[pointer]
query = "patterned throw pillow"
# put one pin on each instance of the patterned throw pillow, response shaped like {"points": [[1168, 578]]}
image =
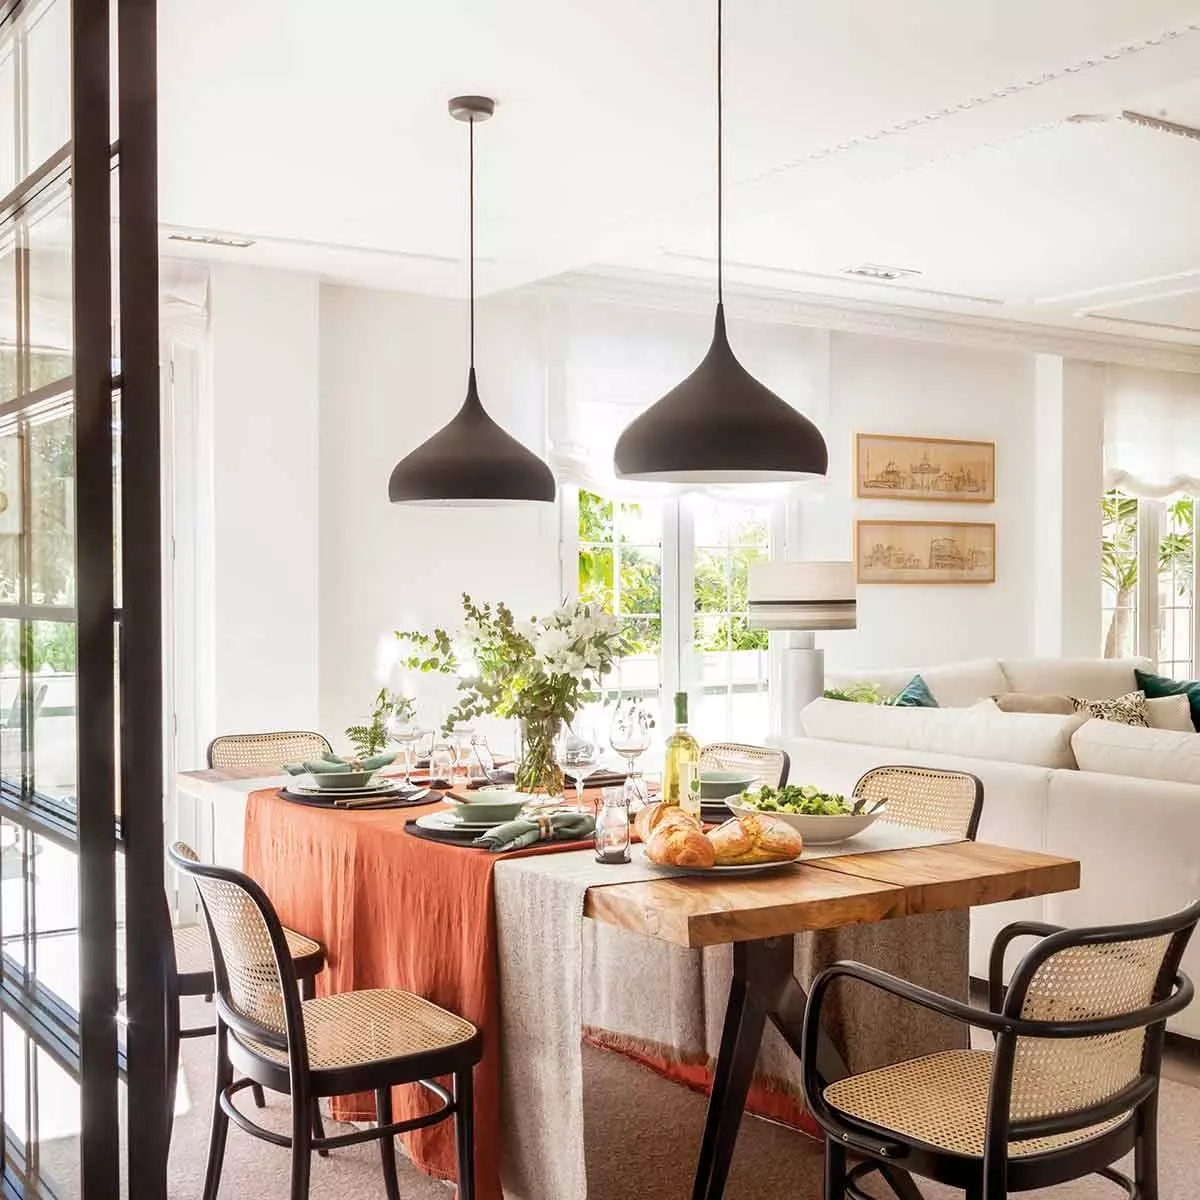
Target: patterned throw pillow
{"points": [[1129, 709]]}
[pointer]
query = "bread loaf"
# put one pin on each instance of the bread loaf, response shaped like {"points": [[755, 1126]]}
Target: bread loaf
{"points": [[754, 838], [679, 844], [653, 816]]}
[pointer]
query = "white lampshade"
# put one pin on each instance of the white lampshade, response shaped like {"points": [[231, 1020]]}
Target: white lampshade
{"points": [[802, 595]]}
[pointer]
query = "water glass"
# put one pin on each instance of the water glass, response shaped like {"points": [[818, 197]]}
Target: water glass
{"points": [[441, 766], [612, 826]]}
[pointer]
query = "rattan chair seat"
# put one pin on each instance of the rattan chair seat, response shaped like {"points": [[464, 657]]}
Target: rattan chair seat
{"points": [[351, 1029], [193, 951], [941, 1100]]}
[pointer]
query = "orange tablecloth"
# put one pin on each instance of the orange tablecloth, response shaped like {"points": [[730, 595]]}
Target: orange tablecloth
{"points": [[393, 910]]}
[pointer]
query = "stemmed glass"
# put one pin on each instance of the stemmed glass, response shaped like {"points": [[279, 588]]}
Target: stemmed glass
{"points": [[406, 734], [629, 734], [577, 752]]}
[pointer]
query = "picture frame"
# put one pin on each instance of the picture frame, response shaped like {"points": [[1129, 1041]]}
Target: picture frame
{"points": [[900, 467], [925, 552]]}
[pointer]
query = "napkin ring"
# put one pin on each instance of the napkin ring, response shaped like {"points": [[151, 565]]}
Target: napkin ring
{"points": [[545, 827]]}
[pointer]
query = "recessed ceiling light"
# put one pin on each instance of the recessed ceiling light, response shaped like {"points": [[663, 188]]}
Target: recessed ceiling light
{"points": [[211, 239], [876, 271]]}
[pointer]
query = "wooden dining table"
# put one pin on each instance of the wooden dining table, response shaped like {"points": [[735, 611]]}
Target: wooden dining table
{"points": [[377, 931], [762, 915]]}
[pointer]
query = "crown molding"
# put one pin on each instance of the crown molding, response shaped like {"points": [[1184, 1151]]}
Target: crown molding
{"points": [[641, 289]]}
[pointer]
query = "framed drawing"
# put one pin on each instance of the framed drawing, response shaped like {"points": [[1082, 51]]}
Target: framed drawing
{"points": [[925, 551], [906, 468]]}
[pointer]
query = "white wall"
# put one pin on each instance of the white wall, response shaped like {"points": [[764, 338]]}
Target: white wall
{"points": [[393, 370], [882, 385], [317, 391], [258, 446]]}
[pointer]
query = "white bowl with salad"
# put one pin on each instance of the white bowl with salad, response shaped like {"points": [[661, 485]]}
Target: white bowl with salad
{"points": [[821, 818]]}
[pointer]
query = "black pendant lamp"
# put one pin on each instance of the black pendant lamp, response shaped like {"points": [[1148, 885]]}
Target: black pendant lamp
{"points": [[720, 425], [471, 460]]}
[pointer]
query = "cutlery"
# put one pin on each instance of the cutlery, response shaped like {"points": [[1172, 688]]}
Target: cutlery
{"points": [[373, 801]]}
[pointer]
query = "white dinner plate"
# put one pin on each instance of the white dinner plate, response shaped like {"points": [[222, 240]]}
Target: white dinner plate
{"points": [[746, 869], [445, 821], [372, 789]]}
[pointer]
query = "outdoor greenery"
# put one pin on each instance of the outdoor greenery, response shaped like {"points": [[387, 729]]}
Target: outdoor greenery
{"points": [[720, 576], [1119, 559]]}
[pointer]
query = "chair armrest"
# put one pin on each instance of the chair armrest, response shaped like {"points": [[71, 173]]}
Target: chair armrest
{"points": [[1000, 946], [811, 1080]]}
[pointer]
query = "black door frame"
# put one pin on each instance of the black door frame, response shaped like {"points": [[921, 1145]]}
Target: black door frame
{"points": [[136, 822]]}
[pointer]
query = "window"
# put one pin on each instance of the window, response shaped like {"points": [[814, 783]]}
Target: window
{"points": [[676, 572], [1148, 567]]}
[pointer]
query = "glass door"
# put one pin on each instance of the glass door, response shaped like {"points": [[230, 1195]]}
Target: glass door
{"points": [[81, 991]]}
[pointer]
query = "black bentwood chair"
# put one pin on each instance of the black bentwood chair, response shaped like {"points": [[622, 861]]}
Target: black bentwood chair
{"points": [[1071, 1086], [369, 1040]]}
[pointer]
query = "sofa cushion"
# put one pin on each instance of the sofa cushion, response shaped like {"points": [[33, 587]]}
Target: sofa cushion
{"points": [[1129, 709], [1092, 678], [981, 731], [1111, 749], [1156, 686], [915, 695], [1171, 712], [1029, 702]]}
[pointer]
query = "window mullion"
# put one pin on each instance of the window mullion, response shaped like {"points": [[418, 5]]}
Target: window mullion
{"points": [[1149, 535], [677, 553]]}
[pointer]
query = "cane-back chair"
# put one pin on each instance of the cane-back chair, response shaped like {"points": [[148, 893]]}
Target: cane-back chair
{"points": [[1070, 1087], [266, 749], [925, 798], [767, 764], [362, 1041]]}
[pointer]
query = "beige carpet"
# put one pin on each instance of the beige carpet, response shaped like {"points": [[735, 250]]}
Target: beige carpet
{"points": [[643, 1134]]}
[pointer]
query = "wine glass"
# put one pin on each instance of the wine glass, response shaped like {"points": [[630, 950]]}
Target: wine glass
{"points": [[629, 734], [405, 735], [577, 752]]}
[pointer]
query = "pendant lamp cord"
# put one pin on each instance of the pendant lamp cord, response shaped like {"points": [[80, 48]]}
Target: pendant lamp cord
{"points": [[471, 233], [720, 167]]}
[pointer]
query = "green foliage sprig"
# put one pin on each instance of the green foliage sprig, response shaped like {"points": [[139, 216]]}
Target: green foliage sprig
{"points": [[390, 710], [535, 670]]}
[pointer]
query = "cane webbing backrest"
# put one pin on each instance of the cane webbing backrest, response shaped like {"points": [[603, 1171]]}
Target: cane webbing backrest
{"points": [[765, 763], [269, 750], [923, 798], [253, 985], [1057, 1076]]}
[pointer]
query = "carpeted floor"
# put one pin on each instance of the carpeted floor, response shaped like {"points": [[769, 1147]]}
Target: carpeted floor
{"points": [[643, 1134]]}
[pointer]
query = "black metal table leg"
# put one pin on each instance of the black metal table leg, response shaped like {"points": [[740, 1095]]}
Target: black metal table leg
{"points": [[764, 987]]}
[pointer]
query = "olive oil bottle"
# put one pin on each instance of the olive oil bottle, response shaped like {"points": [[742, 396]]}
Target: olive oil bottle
{"points": [[681, 770]]}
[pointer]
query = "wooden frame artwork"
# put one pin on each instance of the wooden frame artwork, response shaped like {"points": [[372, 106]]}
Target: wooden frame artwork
{"points": [[925, 551], [892, 467]]}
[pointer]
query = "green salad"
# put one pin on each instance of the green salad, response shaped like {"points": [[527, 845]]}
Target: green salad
{"points": [[807, 801]]}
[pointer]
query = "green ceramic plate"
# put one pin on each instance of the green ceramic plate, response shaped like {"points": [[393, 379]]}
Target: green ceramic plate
{"points": [[718, 785], [489, 805], [339, 781]]}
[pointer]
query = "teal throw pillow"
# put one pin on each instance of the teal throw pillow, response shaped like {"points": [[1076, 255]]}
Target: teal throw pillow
{"points": [[1160, 685], [915, 695]]}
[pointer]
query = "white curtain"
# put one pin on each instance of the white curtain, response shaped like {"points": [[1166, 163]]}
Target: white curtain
{"points": [[1152, 432]]}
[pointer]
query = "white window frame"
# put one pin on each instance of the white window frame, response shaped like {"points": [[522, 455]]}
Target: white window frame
{"points": [[678, 662]]}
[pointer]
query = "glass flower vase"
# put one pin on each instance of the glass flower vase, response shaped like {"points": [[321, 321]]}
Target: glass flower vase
{"points": [[537, 770]]}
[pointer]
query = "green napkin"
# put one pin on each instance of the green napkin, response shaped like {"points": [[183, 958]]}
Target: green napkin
{"points": [[551, 827], [331, 764]]}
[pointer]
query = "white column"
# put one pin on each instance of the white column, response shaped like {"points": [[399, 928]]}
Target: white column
{"points": [[1068, 480]]}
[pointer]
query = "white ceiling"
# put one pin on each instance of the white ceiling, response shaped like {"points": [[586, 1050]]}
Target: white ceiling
{"points": [[926, 135]]}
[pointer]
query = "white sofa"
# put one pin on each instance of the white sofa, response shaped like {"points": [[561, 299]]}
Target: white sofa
{"points": [[1137, 838]]}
